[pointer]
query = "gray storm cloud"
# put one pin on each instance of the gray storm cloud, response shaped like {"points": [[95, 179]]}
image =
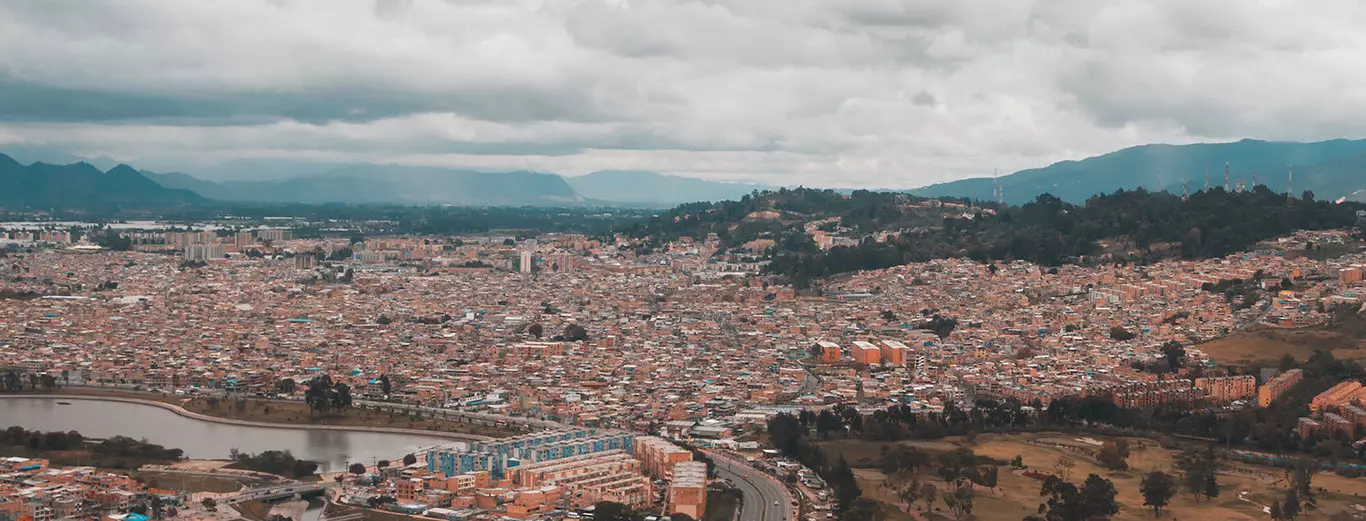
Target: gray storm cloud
{"points": [[862, 93]]}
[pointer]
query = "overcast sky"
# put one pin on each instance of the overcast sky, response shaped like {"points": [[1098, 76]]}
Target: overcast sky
{"points": [[847, 93]]}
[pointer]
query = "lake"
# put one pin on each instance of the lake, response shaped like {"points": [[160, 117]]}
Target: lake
{"points": [[200, 439]]}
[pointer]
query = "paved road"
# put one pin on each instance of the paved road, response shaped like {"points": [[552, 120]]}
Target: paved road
{"points": [[760, 492], [275, 491]]}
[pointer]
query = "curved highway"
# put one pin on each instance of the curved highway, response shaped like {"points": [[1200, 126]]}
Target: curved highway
{"points": [[765, 499]]}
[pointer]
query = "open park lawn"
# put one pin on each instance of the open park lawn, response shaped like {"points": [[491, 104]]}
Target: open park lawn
{"points": [[1017, 495]]}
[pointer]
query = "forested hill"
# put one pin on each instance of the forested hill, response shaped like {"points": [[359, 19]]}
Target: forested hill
{"points": [[788, 215], [1136, 225]]}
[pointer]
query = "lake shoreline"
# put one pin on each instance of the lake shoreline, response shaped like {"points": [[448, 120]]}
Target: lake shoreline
{"points": [[109, 396]]}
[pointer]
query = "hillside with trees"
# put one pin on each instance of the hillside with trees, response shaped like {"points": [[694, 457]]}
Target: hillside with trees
{"points": [[893, 229]]}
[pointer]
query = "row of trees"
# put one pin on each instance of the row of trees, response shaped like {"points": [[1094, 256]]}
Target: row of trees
{"points": [[13, 381], [323, 395], [114, 452], [274, 462]]}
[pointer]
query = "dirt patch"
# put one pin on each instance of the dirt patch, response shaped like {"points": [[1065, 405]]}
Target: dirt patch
{"points": [[1345, 338], [193, 483]]}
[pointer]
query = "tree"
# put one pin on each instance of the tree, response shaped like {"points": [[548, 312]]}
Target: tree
{"points": [[929, 494], [384, 320], [1175, 354], [209, 504], [1120, 334], [385, 386], [1064, 467], [889, 316], [287, 386], [1276, 512], [1098, 497], [1300, 476], [988, 476], [575, 333], [382, 464], [536, 330], [962, 499], [910, 493], [356, 468], [409, 459], [341, 396], [863, 509], [318, 396], [1113, 454], [1198, 472], [1290, 508], [1157, 488], [610, 511], [940, 325]]}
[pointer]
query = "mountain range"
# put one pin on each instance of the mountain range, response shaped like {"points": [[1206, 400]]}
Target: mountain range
{"points": [[394, 184], [83, 186], [1330, 169]]}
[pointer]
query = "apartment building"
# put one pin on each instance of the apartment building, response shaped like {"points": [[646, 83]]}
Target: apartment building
{"points": [[829, 351], [1274, 387], [659, 456], [894, 352], [688, 490], [496, 456], [203, 252], [1338, 395], [866, 353], [1221, 389]]}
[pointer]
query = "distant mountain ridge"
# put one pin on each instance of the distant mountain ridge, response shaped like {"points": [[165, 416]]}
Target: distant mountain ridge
{"points": [[391, 184], [429, 185], [653, 187], [398, 184], [83, 186], [1330, 169]]}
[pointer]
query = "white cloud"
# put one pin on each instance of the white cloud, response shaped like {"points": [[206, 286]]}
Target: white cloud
{"points": [[884, 93]]}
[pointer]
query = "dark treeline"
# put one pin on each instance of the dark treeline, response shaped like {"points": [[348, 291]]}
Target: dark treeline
{"points": [[1050, 232], [861, 211], [115, 452], [277, 462], [1047, 231]]}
